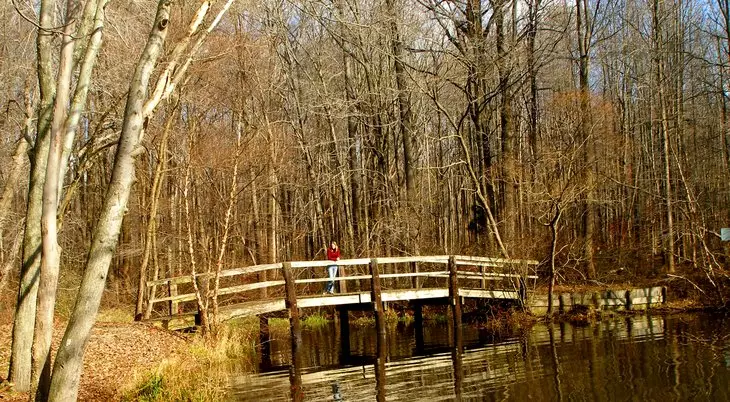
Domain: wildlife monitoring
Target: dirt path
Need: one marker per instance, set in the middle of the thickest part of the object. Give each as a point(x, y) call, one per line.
point(116, 352)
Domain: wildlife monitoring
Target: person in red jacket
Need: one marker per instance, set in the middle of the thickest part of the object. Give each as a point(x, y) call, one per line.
point(333, 254)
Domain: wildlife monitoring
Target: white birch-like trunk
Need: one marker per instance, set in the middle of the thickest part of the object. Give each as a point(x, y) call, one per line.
point(25, 310)
point(50, 255)
point(69, 360)
point(227, 222)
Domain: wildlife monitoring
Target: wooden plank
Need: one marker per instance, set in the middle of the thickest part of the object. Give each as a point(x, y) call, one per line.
point(326, 263)
point(321, 301)
point(252, 308)
point(435, 274)
point(225, 273)
point(490, 294)
point(178, 298)
point(435, 259)
point(343, 278)
point(414, 294)
point(491, 275)
point(471, 260)
point(223, 291)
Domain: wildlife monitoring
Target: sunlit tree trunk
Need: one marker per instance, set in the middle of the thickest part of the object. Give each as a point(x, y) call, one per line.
point(69, 359)
point(51, 256)
point(25, 310)
point(20, 157)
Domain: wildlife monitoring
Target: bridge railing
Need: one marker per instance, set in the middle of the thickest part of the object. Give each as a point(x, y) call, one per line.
point(266, 281)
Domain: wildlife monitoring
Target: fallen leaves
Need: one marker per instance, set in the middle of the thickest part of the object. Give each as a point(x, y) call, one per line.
point(115, 353)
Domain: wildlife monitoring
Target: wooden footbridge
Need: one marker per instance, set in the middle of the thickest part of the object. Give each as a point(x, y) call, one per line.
point(270, 288)
point(290, 286)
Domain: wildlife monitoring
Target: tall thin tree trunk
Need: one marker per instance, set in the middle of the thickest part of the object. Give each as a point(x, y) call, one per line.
point(25, 310)
point(68, 363)
point(409, 139)
point(353, 141)
point(227, 223)
point(51, 255)
point(154, 201)
point(509, 172)
point(666, 147)
point(19, 158)
point(584, 38)
point(533, 129)
point(10, 260)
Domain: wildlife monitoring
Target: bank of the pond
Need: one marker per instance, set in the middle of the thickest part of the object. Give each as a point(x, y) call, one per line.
point(135, 361)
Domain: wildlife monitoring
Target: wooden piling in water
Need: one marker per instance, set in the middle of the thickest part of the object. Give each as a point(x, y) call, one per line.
point(418, 321)
point(265, 340)
point(455, 303)
point(380, 327)
point(295, 370)
point(344, 330)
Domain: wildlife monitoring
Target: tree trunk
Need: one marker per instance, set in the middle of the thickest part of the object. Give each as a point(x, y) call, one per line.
point(68, 363)
point(533, 129)
point(666, 157)
point(227, 223)
point(554, 229)
point(10, 260)
point(409, 139)
point(584, 37)
point(154, 202)
point(25, 310)
point(509, 176)
point(50, 255)
point(19, 158)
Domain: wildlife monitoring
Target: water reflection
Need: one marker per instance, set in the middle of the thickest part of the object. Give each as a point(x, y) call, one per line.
point(637, 358)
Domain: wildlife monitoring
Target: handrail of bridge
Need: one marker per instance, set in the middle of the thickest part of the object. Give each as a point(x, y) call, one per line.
point(438, 259)
point(460, 260)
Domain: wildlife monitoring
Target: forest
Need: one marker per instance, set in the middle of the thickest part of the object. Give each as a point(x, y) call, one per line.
point(143, 139)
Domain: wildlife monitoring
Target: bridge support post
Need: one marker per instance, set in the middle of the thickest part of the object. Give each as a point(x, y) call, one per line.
point(380, 326)
point(455, 303)
point(295, 370)
point(418, 321)
point(265, 341)
point(344, 330)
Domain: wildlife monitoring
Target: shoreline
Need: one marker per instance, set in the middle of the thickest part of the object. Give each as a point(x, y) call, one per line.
point(123, 356)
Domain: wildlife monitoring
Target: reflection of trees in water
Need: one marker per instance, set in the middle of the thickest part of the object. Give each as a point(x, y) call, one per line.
point(628, 358)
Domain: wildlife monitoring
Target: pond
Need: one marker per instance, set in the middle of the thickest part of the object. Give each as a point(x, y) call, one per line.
point(651, 357)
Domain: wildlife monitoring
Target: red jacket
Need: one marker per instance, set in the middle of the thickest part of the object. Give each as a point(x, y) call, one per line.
point(332, 254)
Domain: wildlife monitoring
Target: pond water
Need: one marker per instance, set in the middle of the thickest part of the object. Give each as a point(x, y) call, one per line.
point(677, 357)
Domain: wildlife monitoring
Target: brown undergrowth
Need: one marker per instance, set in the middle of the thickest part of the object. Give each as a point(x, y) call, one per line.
point(114, 353)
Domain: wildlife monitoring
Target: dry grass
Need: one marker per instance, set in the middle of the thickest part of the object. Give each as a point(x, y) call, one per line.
point(199, 371)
